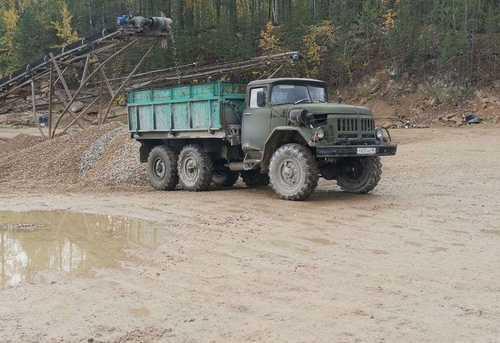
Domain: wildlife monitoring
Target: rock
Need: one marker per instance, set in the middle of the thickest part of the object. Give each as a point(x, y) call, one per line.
point(77, 107)
point(471, 118)
point(490, 100)
point(452, 119)
point(434, 101)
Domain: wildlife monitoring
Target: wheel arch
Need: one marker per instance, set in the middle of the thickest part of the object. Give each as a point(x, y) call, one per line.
point(277, 138)
point(209, 145)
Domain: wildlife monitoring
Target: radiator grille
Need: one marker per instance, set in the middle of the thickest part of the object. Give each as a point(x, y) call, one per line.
point(355, 124)
point(367, 125)
point(352, 128)
point(347, 124)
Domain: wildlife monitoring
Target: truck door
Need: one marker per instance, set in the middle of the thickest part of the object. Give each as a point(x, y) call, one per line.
point(256, 120)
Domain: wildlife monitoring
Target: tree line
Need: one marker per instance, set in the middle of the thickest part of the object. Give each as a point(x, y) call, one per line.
point(341, 39)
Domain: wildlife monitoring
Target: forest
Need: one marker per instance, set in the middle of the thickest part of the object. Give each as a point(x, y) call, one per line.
point(342, 40)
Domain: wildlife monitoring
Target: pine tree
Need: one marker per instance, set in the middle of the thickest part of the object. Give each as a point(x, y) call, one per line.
point(64, 30)
point(319, 37)
point(32, 37)
point(270, 39)
point(9, 19)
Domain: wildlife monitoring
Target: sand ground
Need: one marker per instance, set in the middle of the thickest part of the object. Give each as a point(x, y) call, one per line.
point(416, 261)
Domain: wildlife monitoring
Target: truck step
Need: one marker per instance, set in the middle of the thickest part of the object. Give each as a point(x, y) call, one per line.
point(245, 165)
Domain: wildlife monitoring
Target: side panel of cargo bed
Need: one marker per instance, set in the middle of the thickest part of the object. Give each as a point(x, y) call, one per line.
point(183, 109)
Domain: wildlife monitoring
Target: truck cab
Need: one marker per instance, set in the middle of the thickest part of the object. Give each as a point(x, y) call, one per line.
point(339, 142)
point(300, 107)
point(268, 105)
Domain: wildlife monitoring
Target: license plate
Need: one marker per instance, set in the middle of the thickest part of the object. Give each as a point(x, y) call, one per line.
point(367, 151)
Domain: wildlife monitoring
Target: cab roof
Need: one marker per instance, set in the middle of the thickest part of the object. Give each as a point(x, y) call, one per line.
point(284, 80)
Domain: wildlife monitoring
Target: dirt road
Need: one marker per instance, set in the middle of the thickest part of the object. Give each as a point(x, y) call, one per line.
point(6, 132)
point(416, 261)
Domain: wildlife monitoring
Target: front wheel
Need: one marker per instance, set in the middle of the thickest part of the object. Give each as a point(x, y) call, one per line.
point(294, 172)
point(195, 168)
point(360, 175)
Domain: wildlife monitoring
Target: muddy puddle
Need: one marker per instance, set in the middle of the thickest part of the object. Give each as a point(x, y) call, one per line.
point(33, 243)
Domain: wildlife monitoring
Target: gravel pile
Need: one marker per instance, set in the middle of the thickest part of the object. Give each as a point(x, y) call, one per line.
point(86, 160)
point(20, 142)
point(50, 164)
point(97, 150)
point(119, 165)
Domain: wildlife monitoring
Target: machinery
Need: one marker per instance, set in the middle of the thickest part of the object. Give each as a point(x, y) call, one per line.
point(155, 26)
point(278, 131)
point(86, 60)
point(126, 26)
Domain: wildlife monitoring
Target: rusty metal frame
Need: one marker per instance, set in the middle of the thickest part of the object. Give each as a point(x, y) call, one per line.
point(84, 82)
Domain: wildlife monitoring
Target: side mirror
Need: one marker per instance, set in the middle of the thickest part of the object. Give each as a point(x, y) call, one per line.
point(261, 99)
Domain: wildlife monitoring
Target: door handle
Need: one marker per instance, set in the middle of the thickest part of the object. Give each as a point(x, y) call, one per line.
point(247, 114)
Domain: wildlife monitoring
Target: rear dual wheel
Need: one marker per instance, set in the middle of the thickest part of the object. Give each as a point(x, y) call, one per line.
point(162, 168)
point(195, 168)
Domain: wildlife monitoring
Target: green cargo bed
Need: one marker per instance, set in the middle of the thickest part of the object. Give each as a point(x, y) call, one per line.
point(204, 107)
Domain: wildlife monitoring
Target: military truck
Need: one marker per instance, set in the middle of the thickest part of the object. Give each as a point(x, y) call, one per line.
point(278, 131)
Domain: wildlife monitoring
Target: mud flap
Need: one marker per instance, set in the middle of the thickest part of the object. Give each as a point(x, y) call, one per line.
point(144, 151)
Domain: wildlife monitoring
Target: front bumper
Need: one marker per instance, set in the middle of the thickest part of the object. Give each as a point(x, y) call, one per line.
point(353, 150)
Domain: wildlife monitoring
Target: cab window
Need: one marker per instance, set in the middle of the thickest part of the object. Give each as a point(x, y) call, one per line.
point(290, 94)
point(253, 96)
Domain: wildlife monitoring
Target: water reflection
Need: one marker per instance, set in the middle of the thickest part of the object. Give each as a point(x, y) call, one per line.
point(65, 242)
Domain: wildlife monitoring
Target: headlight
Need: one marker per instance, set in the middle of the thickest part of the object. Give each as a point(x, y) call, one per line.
point(383, 135)
point(380, 135)
point(319, 134)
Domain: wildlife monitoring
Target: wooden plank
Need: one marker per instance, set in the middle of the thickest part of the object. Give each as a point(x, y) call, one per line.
point(61, 76)
point(51, 93)
point(106, 80)
point(108, 84)
point(33, 103)
point(85, 68)
point(82, 113)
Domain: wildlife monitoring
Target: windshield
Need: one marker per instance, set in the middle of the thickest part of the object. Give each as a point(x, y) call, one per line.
point(291, 94)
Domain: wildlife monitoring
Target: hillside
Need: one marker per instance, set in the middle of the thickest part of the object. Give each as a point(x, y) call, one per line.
point(456, 43)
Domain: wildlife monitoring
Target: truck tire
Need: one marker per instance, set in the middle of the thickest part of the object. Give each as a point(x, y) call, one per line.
point(225, 178)
point(360, 175)
point(162, 168)
point(253, 178)
point(195, 168)
point(294, 172)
